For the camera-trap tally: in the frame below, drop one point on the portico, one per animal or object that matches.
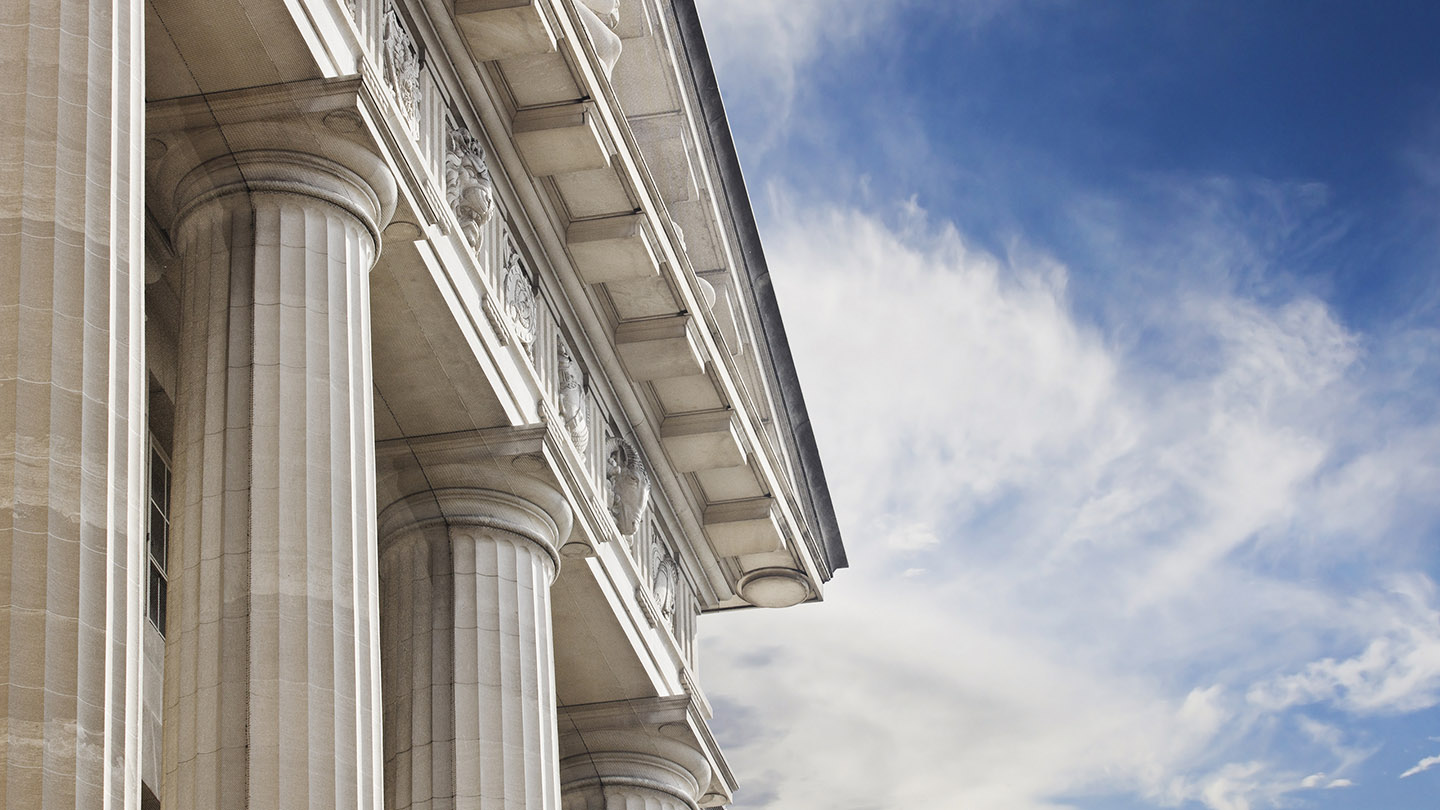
(462, 362)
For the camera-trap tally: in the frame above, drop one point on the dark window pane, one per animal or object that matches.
(156, 533)
(157, 476)
(152, 597)
(155, 598)
(160, 610)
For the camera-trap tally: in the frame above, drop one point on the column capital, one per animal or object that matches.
(238, 177)
(481, 479)
(309, 138)
(632, 761)
(648, 747)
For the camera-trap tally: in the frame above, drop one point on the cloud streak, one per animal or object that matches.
(1420, 767)
(763, 47)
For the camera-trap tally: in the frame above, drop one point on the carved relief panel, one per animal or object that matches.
(519, 298)
(572, 397)
(401, 65)
(629, 484)
(664, 576)
(468, 186)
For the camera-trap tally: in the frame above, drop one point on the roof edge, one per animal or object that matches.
(737, 202)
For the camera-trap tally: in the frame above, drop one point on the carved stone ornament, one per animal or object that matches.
(607, 10)
(600, 19)
(468, 186)
(629, 485)
(401, 65)
(663, 578)
(519, 299)
(572, 399)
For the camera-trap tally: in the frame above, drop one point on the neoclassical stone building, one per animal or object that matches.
(389, 387)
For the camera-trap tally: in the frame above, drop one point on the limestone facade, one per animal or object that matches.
(390, 386)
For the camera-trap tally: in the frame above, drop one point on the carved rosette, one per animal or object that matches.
(629, 485)
(519, 299)
(401, 65)
(572, 399)
(468, 186)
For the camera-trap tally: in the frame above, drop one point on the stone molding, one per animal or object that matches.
(657, 750)
(774, 587)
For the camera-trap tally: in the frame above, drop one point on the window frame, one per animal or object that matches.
(157, 577)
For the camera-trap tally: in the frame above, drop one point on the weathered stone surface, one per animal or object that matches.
(72, 387)
(272, 655)
(468, 663)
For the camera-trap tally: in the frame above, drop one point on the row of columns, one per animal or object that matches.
(318, 655)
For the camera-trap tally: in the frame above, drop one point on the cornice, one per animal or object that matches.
(766, 307)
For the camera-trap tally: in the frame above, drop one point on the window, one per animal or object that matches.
(157, 536)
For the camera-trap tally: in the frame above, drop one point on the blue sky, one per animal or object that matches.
(1117, 323)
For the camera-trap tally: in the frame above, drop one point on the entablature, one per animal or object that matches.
(679, 335)
(536, 211)
(531, 84)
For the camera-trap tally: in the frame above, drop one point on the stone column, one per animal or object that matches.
(271, 672)
(72, 389)
(631, 769)
(468, 669)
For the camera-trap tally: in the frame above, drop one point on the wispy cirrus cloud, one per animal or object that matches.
(1091, 556)
(762, 47)
(1420, 767)
(1397, 671)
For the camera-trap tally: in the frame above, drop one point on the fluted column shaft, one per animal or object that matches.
(271, 676)
(469, 676)
(72, 387)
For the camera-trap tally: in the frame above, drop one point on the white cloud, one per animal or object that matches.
(759, 47)
(912, 537)
(787, 34)
(1119, 553)
(1397, 671)
(1423, 765)
(890, 703)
